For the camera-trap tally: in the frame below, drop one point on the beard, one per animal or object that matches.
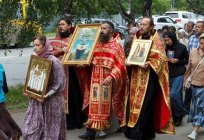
(104, 38)
(65, 34)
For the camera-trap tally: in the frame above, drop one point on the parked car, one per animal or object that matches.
(161, 21)
(182, 16)
(200, 18)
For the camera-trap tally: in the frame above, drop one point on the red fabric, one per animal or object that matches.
(72, 29)
(159, 112)
(116, 34)
(112, 56)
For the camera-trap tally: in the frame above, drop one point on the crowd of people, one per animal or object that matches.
(139, 100)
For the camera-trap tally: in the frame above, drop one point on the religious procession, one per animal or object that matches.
(92, 79)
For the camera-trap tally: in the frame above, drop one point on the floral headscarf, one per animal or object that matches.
(48, 49)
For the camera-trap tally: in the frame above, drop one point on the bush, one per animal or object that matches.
(15, 99)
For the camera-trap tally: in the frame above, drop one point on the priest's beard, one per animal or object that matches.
(65, 34)
(104, 38)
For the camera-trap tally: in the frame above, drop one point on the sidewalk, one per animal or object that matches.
(181, 131)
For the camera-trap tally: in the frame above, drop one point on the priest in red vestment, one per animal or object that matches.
(149, 108)
(72, 93)
(105, 83)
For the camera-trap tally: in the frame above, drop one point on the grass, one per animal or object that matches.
(15, 99)
(50, 34)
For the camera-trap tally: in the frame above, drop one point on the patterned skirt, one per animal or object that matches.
(8, 127)
(45, 121)
(196, 114)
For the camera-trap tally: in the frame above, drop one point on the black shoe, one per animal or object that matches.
(120, 130)
(88, 135)
(178, 121)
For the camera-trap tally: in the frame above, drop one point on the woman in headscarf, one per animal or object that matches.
(196, 116)
(132, 32)
(8, 127)
(46, 120)
(177, 55)
(182, 37)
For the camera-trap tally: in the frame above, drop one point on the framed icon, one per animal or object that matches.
(170, 54)
(139, 52)
(82, 44)
(37, 77)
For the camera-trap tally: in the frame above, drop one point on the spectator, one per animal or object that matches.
(133, 31)
(189, 29)
(172, 29)
(8, 127)
(196, 116)
(165, 29)
(193, 40)
(177, 59)
(129, 26)
(192, 44)
(182, 37)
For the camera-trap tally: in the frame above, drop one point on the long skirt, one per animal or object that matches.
(196, 114)
(8, 127)
(45, 121)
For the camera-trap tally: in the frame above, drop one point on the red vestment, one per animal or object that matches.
(108, 60)
(58, 43)
(157, 59)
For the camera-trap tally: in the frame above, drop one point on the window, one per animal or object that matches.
(162, 20)
(184, 15)
(172, 15)
(193, 16)
(169, 20)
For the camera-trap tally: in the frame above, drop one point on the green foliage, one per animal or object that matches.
(89, 8)
(6, 15)
(159, 7)
(197, 6)
(41, 12)
(15, 99)
(180, 5)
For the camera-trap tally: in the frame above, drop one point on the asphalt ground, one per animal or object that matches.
(181, 132)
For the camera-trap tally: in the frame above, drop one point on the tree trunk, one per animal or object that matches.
(124, 14)
(68, 7)
(147, 6)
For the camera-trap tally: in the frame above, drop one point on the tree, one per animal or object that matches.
(147, 6)
(160, 7)
(68, 8)
(122, 10)
(41, 12)
(196, 5)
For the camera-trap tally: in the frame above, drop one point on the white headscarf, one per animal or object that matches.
(134, 30)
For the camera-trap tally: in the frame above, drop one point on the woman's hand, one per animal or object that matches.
(46, 96)
(24, 93)
(173, 60)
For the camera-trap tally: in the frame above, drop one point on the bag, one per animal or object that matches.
(188, 81)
